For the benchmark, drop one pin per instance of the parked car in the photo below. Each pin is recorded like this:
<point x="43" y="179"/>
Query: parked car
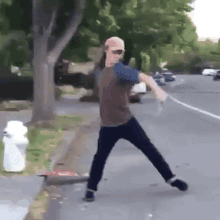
<point x="217" y="76"/>
<point x="159" y="78"/>
<point x="169" y="76"/>
<point x="139" y="88"/>
<point x="208" y="72"/>
<point x="137" y="91"/>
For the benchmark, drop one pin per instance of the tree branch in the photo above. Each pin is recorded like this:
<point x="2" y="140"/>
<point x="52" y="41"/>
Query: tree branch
<point x="71" y="28"/>
<point x="50" y="26"/>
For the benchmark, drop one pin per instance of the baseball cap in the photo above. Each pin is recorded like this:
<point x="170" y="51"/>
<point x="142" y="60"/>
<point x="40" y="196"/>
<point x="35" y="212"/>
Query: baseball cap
<point x="115" y="43"/>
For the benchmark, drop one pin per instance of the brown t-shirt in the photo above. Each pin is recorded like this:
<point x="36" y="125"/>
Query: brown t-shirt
<point x="114" y="85"/>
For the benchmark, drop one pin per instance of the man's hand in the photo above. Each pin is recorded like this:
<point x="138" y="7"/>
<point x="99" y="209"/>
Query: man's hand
<point x="159" y="93"/>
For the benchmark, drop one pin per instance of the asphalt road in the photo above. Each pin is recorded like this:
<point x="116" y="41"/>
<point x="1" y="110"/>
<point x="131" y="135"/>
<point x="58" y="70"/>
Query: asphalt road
<point x="131" y="187"/>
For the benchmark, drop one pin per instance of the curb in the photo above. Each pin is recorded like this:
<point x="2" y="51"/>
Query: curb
<point x="67" y="180"/>
<point x="64" y="145"/>
<point x="62" y="148"/>
<point x="59" y="152"/>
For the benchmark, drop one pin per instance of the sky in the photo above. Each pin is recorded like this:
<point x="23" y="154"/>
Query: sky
<point x="206" y="18"/>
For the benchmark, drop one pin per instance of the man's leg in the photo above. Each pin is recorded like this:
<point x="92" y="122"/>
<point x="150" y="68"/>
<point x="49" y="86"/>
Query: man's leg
<point x="134" y="133"/>
<point x="108" y="136"/>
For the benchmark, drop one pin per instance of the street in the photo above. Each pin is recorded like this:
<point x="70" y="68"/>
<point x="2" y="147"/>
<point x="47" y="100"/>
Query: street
<point x="131" y="188"/>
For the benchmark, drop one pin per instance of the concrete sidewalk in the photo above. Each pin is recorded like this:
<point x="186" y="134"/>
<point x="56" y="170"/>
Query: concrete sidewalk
<point x="16" y="196"/>
<point x="17" y="193"/>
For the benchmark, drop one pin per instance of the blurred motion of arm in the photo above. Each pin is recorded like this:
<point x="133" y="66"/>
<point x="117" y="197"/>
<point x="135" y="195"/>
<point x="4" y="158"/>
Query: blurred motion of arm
<point x="149" y="81"/>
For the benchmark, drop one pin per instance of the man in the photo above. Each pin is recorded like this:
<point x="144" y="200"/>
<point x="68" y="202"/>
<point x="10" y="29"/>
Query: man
<point x="114" y="84"/>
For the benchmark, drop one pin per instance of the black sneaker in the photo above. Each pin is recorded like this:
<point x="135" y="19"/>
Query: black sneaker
<point x="176" y="182"/>
<point x="89" y="196"/>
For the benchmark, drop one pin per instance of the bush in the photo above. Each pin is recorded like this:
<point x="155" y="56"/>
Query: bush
<point x="217" y="64"/>
<point x="132" y="62"/>
<point x="176" y="67"/>
<point x="145" y="62"/>
<point x="215" y="53"/>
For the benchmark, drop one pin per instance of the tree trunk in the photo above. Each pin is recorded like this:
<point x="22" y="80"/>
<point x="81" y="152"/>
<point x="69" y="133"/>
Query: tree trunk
<point x="45" y="57"/>
<point x="138" y="61"/>
<point x="44" y="88"/>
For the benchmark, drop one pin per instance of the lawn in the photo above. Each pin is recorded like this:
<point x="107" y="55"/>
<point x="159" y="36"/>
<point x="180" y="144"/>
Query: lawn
<point x="42" y="142"/>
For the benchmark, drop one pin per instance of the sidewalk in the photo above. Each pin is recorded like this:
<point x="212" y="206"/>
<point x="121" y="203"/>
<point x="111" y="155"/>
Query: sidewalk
<point x="17" y="193"/>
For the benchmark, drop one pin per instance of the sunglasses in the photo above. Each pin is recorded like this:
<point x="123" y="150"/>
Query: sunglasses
<point x="118" y="52"/>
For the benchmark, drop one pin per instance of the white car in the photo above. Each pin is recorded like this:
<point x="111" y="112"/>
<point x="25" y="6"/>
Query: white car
<point x="208" y="72"/>
<point x="139" y="88"/>
<point x="137" y="91"/>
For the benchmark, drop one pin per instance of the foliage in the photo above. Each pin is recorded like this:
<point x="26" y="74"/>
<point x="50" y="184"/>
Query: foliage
<point x="177" y="66"/>
<point x="147" y="23"/>
<point x="218" y="48"/>
<point x="145" y="62"/>
<point x="207" y="46"/>
<point x="215" y="53"/>
<point x="15" y="23"/>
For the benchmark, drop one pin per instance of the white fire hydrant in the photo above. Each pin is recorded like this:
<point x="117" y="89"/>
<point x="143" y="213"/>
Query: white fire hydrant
<point x="15" y="143"/>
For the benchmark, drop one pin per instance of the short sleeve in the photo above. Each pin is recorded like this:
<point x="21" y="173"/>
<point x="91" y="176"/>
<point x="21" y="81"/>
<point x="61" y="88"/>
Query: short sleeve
<point x="126" y="74"/>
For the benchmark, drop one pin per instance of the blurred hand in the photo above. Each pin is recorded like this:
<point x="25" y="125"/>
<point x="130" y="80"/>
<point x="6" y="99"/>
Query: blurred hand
<point x="160" y="95"/>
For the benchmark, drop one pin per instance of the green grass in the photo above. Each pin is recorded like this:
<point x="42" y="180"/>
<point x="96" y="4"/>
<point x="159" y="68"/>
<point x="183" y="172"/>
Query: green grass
<point x="42" y="142"/>
<point x="26" y="72"/>
<point x="39" y="205"/>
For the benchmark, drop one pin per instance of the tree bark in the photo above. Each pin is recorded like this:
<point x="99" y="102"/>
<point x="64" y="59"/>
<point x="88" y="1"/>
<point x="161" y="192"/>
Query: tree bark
<point x="58" y="46"/>
<point x="45" y="58"/>
<point x="44" y="95"/>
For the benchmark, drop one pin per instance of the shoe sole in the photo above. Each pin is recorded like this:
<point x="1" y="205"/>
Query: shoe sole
<point x="88" y="200"/>
<point x="185" y="188"/>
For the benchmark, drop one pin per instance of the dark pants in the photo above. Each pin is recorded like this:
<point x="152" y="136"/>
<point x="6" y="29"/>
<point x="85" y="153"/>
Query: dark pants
<point x="133" y="132"/>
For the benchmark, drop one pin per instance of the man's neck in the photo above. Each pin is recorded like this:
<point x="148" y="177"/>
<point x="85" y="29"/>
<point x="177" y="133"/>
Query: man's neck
<point x="109" y="64"/>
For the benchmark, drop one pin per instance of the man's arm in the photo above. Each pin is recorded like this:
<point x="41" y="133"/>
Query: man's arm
<point x="149" y="81"/>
